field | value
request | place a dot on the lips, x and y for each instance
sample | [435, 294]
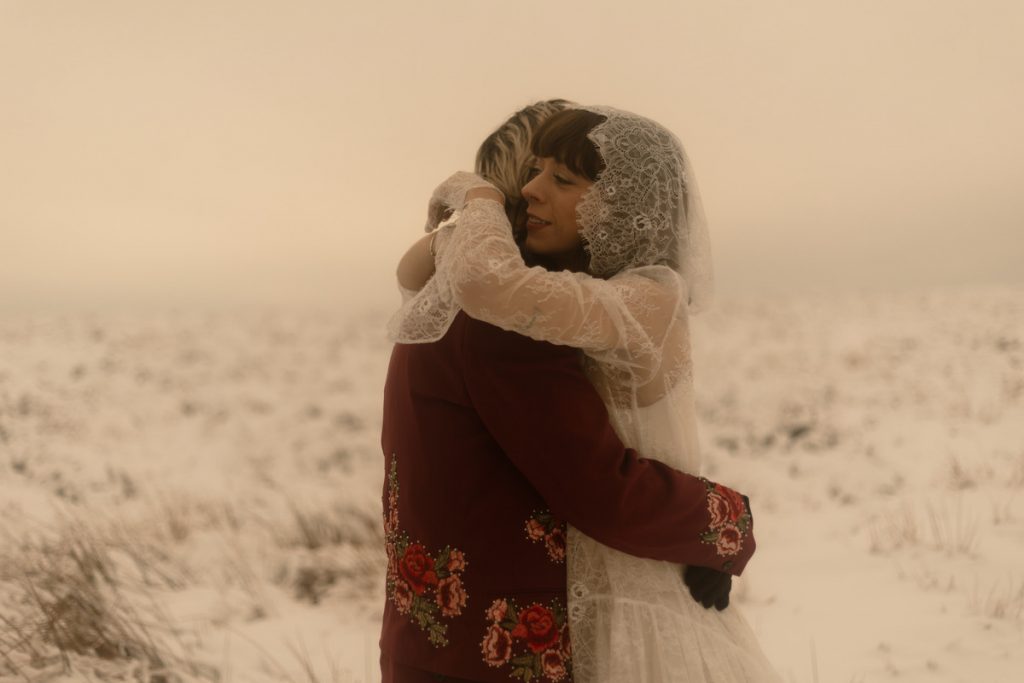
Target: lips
[535, 223]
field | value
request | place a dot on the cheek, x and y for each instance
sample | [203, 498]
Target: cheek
[568, 217]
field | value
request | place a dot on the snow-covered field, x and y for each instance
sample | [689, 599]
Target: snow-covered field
[195, 496]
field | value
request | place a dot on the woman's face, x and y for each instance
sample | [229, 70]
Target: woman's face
[551, 195]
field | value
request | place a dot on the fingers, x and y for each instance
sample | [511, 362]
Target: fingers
[709, 587]
[700, 578]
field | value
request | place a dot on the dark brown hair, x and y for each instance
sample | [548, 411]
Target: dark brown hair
[563, 137]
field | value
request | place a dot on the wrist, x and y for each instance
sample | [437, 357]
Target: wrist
[485, 193]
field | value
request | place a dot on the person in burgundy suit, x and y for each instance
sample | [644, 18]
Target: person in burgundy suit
[496, 446]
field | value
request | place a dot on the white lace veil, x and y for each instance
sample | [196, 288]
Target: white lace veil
[645, 209]
[643, 213]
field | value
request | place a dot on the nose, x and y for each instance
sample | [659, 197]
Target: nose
[530, 190]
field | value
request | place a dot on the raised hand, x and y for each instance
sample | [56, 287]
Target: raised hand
[451, 195]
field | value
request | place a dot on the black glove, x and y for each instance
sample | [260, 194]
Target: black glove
[709, 587]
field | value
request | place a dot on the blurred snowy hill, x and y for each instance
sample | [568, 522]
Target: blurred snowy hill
[196, 496]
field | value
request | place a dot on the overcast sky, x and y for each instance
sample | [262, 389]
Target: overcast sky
[272, 151]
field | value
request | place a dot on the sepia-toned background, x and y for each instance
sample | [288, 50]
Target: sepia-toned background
[268, 151]
[202, 203]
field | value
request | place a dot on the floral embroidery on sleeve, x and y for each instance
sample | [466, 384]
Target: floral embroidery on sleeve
[730, 520]
[426, 586]
[543, 526]
[534, 640]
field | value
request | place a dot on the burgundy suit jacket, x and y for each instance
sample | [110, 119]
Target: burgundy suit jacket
[492, 442]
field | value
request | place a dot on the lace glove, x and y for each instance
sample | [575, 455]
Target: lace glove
[451, 195]
[709, 587]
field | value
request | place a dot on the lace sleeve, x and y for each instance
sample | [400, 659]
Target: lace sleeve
[626, 317]
[407, 294]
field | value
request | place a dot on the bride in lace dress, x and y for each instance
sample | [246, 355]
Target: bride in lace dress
[612, 258]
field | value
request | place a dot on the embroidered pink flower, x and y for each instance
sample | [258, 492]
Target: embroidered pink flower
[417, 568]
[535, 529]
[730, 541]
[534, 641]
[718, 507]
[403, 597]
[389, 548]
[456, 561]
[497, 610]
[544, 526]
[729, 520]
[496, 646]
[555, 542]
[536, 626]
[554, 665]
[391, 521]
[451, 596]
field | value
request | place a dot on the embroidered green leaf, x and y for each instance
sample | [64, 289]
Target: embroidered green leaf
[437, 634]
[558, 612]
[525, 673]
[523, 661]
[441, 563]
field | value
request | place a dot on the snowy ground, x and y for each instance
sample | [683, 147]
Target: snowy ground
[196, 496]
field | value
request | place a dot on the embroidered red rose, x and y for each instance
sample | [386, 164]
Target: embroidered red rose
[718, 507]
[554, 665]
[555, 542]
[417, 568]
[737, 508]
[537, 626]
[403, 597]
[496, 646]
[729, 541]
[535, 530]
[537, 645]
[451, 596]
[456, 561]
[497, 610]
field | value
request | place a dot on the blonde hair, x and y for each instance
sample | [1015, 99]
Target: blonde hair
[504, 157]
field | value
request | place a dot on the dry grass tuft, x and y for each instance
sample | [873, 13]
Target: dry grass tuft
[339, 525]
[1016, 479]
[1002, 600]
[337, 546]
[953, 531]
[895, 531]
[950, 530]
[76, 597]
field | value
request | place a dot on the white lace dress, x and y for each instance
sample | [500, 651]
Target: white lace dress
[631, 619]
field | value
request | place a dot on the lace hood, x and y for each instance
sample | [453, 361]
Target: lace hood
[644, 209]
